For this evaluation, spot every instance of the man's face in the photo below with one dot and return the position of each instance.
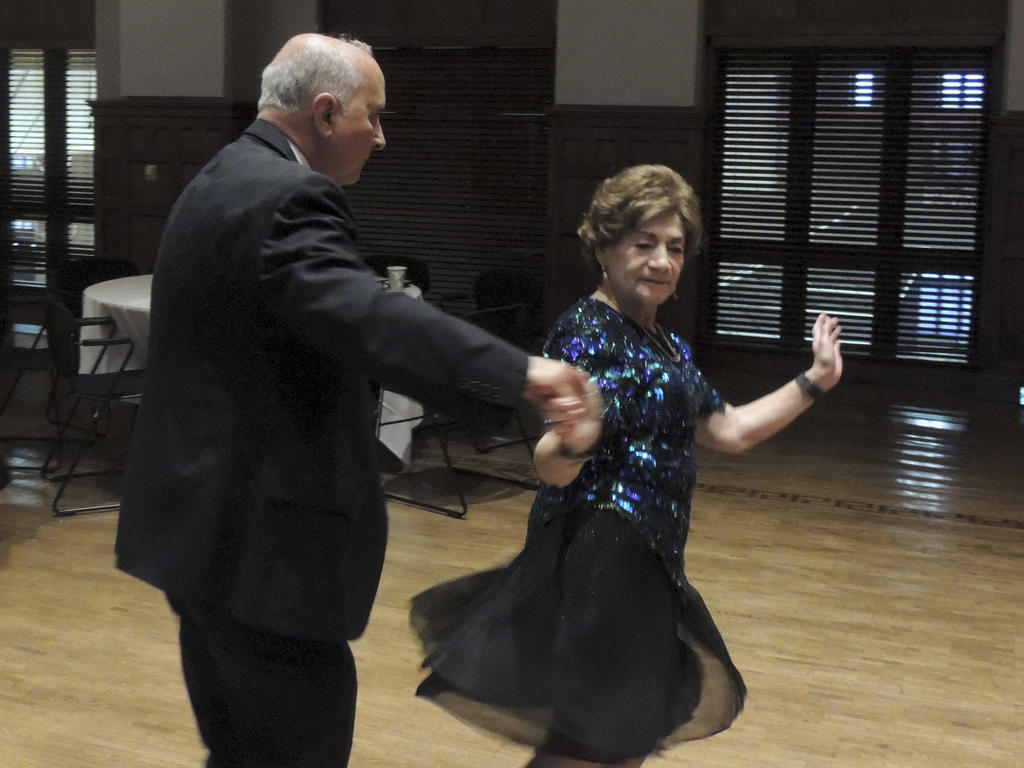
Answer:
(356, 129)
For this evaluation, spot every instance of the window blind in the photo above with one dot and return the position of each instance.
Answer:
(849, 181)
(462, 182)
(46, 204)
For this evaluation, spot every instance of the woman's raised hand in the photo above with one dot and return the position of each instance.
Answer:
(828, 359)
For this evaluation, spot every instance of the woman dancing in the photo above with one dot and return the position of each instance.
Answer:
(591, 645)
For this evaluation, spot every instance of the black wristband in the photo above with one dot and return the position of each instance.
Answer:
(809, 386)
(565, 453)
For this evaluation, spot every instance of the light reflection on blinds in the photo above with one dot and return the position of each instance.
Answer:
(936, 316)
(847, 152)
(49, 204)
(81, 89)
(847, 294)
(26, 136)
(853, 174)
(754, 152)
(748, 300)
(944, 164)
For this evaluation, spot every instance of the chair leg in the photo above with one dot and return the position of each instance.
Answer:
(10, 392)
(524, 439)
(23, 438)
(66, 477)
(439, 508)
(70, 475)
(527, 440)
(49, 467)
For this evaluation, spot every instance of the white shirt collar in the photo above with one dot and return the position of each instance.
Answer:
(298, 155)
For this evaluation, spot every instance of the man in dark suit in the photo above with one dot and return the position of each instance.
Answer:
(251, 495)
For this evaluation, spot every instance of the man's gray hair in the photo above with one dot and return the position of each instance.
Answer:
(291, 83)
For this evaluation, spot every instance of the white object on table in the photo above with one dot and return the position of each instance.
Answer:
(126, 302)
(396, 278)
(406, 412)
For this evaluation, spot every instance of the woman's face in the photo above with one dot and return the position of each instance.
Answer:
(643, 266)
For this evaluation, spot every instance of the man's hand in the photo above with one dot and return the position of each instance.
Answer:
(562, 393)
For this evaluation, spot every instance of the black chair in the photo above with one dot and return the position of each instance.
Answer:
(97, 388)
(75, 275)
(508, 304)
(16, 360)
(430, 424)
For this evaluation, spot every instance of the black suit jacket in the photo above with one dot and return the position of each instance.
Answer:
(251, 481)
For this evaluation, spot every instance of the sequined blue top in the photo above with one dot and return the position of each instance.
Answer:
(645, 466)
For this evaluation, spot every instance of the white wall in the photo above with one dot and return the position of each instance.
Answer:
(636, 52)
(192, 48)
(608, 52)
(172, 48)
(256, 31)
(1014, 80)
(108, 49)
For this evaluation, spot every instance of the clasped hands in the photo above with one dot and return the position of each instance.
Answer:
(570, 402)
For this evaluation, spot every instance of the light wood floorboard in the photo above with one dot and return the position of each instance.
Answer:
(865, 569)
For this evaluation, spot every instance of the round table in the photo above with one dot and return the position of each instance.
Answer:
(126, 302)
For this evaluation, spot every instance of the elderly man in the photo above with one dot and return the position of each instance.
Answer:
(251, 495)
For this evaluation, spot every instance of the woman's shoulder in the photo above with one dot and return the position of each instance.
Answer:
(582, 329)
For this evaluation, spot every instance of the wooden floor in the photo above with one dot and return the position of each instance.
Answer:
(865, 569)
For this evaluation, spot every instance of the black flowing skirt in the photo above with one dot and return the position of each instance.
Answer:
(581, 646)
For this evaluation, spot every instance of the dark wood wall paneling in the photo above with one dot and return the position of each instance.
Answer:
(588, 145)
(862, 22)
(462, 184)
(1001, 325)
(388, 23)
(147, 150)
(48, 24)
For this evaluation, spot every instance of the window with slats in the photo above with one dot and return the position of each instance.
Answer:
(849, 181)
(46, 200)
(462, 182)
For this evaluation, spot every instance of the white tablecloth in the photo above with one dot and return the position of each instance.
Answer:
(126, 302)
(406, 414)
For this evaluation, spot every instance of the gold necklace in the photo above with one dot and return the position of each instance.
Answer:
(664, 344)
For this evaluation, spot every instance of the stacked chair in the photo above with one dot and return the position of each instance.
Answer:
(17, 360)
(97, 390)
(506, 303)
(79, 403)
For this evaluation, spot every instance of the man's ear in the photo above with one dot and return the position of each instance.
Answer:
(325, 108)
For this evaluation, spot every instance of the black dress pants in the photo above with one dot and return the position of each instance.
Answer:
(263, 700)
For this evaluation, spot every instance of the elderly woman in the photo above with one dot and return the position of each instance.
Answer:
(591, 645)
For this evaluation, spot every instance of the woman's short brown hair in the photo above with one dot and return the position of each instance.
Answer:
(635, 195)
